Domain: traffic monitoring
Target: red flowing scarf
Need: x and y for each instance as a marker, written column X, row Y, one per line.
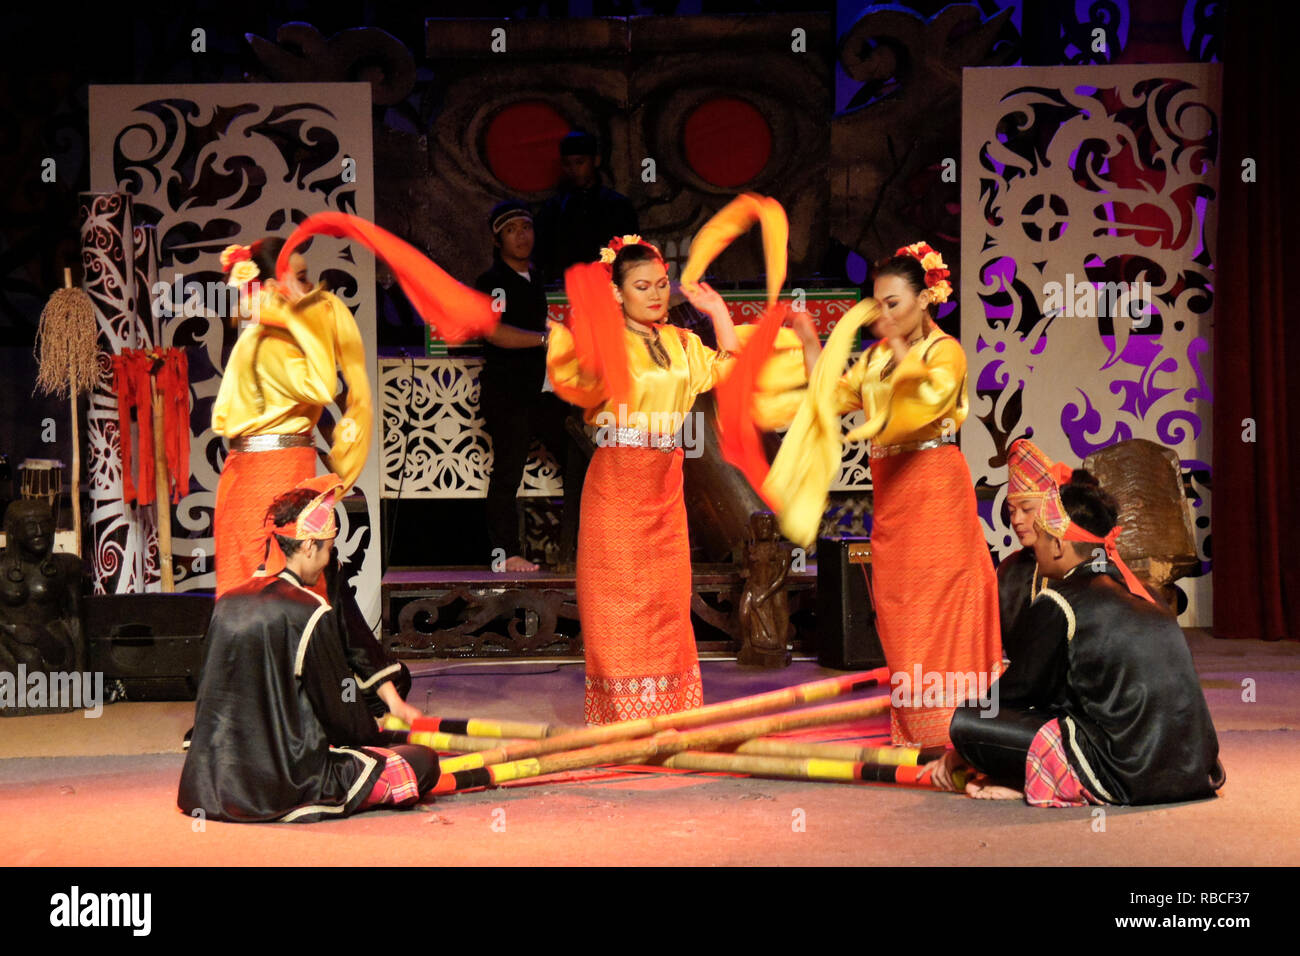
column 738, row 437
column 596, row 321
column 455, row 310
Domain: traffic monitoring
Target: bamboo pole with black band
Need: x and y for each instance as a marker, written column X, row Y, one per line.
column 666, row 742
column 804, row 768
column 785, row 697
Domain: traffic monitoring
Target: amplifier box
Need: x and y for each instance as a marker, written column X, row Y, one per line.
column 846, row 613
column 152, row 643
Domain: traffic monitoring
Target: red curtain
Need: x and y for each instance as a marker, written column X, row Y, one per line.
column 1256, row 587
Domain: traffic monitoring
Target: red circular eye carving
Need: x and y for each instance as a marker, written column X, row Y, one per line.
column 523, row 146
column 728, row 142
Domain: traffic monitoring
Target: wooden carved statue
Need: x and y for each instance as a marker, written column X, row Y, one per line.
column 40, row 620
column 764, row 606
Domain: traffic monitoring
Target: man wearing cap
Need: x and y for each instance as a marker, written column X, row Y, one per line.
column 514, row 395
column 281, row 728
column 1102, row 704
column 575, row 223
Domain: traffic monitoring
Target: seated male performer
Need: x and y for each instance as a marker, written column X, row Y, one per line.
column 1028, row 472
column 1102, row 704
column 281, row 731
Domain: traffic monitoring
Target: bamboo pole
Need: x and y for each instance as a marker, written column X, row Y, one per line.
column 785, row 697
column 481, row 727
column 74, row 395
column 883, row 756
column 800, row 768
column 457, row 743
column 663, row 743
column 162, row 493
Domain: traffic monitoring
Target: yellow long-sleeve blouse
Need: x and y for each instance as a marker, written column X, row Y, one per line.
column 694, row 368
column 278, row 380
column 922, row 398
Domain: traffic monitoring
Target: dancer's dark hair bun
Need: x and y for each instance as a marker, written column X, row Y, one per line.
column 629, row 256
column 1081, row 476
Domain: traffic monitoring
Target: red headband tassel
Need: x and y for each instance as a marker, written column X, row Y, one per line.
column 1111, row 543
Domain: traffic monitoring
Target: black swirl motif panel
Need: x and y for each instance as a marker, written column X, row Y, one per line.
column 114, row 253
column 1089, row 199
column 209, row 165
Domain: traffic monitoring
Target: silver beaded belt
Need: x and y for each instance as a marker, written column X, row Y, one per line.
column 636, row 438
column 252, row 443
column 884, row 451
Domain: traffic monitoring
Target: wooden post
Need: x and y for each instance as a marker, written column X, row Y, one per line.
column 163, row 494
column 76, row 444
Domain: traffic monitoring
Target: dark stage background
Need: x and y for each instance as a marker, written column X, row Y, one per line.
column 852, row 137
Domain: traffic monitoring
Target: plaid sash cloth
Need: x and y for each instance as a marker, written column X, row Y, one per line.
column 1049, row 779
column 396, row 786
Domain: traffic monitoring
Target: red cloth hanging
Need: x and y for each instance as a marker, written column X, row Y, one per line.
column 131, row 382
column 174, row 385
column 133, row 370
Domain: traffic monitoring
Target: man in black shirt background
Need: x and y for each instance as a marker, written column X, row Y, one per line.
column 582, row 216
column 514, row 406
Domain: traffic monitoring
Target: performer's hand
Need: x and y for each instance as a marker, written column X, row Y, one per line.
column 405, row 711
column 802, row 324
column 704, row 298
column 941, row 770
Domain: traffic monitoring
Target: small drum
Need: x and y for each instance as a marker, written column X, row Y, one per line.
column 42, row 478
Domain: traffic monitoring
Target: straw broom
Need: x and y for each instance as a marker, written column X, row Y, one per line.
column 661, row 744
column 67, row 350
column 628, row 729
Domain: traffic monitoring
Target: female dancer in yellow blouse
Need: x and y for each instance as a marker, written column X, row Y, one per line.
column 280, row 376
column 634, row 568
column 934, row 586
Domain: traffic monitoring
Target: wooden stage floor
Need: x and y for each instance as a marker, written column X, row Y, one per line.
column 102, row 792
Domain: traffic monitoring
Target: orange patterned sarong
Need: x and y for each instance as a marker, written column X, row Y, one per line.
column 250, row 481
column 634, row 587
column 935, row 589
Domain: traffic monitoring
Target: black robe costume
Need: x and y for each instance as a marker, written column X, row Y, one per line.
column 365, row 655
column 1018, row 584
column 278, row 734
column 1117, row 673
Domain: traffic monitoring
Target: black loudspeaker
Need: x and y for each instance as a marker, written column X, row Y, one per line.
column 846, row 613
column 152, row 643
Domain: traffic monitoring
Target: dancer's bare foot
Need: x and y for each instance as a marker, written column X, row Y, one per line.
column 518, row 563
column 981, row 789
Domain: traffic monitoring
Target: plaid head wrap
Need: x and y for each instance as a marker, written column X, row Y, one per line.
column 314, row 522
column 1030, row 473
column 1055, row 520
